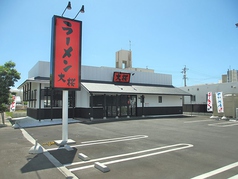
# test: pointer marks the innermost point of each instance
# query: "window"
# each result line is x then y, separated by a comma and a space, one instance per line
56, 97
160, 99
193, 98
98, 100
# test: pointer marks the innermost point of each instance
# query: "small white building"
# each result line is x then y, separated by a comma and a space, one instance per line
105, 93
197, 102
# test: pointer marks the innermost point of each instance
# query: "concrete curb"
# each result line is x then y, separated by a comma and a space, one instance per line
95, 121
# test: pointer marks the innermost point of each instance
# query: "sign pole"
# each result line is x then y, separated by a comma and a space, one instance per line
65, 141
65, 117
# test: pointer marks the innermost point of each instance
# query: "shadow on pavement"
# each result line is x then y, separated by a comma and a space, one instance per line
41, 162
64, 156
38, 162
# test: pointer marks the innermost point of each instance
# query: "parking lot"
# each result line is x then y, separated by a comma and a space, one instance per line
177, 147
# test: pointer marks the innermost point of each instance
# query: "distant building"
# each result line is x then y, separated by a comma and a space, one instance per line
197, 102
231, 76
105, 92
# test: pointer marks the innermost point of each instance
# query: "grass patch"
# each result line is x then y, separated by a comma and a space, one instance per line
9, 114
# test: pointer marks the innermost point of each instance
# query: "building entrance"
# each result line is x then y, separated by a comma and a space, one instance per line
123, 105
116, 105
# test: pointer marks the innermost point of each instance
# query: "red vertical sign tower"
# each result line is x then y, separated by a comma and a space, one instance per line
66, 53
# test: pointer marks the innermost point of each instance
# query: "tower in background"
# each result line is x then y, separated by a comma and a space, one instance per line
123, 59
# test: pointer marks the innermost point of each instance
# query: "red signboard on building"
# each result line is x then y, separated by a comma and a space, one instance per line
120, 77
66, 53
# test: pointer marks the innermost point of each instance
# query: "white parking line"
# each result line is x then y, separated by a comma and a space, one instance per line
151, 154
203, 120
104, 141
177, 147
217, 171
119, 138
224, 124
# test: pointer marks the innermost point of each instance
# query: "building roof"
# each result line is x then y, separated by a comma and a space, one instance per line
35, 80
96, 87
132, 89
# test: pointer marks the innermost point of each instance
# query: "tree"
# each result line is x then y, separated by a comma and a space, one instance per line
8, 77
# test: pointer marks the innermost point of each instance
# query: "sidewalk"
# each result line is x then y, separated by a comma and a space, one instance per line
25, 122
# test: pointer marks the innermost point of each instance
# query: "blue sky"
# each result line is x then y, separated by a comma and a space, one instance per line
165, 35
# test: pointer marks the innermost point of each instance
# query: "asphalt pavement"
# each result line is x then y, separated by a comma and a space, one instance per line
153, 147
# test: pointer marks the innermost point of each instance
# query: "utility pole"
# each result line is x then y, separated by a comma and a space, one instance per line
184, 71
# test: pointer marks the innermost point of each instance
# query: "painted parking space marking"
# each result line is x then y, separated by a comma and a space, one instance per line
105, 141
217, 124
225, 124
203, 120
129, 156
217, 171
116, 139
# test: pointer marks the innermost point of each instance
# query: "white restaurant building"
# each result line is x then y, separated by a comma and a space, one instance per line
144, 93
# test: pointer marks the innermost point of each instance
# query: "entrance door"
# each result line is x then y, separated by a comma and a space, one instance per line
111, 106
127, 105
121, 105
132, 106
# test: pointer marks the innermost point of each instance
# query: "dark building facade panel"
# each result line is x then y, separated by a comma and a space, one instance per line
195, 108
99, 112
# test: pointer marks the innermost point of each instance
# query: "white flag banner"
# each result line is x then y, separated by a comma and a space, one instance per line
209, 101
219, 99
13, 104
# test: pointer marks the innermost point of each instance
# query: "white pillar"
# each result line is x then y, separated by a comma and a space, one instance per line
65, 117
